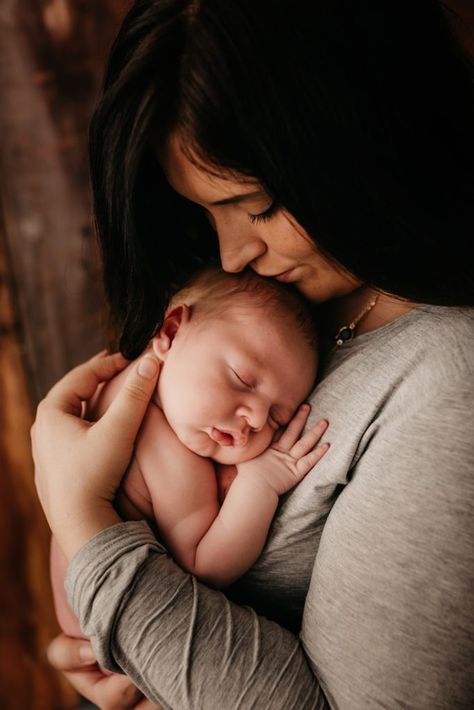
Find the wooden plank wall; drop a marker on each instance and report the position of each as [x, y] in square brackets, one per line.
[51, 303]
[51, 58]
[27, 620]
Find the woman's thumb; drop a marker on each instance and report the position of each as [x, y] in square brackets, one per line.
[126, 412]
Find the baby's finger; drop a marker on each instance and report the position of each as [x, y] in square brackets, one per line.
[292, 432]
[306, 463]
[309, 440]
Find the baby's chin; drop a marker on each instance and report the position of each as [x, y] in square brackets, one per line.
[237, 454]
[230, 455]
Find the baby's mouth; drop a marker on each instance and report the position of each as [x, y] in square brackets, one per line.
[225, 438]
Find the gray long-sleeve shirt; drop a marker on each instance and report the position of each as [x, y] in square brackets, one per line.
[371, 555]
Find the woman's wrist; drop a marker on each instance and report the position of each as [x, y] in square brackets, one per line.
[80, 528]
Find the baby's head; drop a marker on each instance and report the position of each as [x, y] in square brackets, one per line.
[239, 355]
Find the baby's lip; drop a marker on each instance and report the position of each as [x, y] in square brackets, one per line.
[228, 438]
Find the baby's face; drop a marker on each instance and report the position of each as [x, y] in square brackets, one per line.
[228, 383]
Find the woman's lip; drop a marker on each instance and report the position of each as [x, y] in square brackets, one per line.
[284, 276]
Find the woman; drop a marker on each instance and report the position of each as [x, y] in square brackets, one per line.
[328, 145]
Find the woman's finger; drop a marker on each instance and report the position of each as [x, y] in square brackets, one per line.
[146, 705]
[112, 692]
[76, 660]
[69, 654]
[80, 383]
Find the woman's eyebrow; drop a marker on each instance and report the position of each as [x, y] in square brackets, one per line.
[237, 198]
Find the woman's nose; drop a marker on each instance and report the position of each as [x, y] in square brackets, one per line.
[238, 250]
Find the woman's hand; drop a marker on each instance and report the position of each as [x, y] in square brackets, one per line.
[79, 464]
[75, 659]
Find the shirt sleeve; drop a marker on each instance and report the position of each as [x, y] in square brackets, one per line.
[184, 645]
[388, 620]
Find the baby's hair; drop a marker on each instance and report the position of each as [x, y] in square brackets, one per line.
[211, 290]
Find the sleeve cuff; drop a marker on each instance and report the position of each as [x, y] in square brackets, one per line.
[115, 555]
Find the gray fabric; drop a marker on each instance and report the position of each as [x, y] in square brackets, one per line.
[379, 536]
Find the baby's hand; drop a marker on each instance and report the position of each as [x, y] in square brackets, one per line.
[289, 458]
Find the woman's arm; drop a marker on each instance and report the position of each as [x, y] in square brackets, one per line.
[192, 648]
[389, 614]
[388, 619]
[77, 493]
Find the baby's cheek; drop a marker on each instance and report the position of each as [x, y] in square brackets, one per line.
[260, 441]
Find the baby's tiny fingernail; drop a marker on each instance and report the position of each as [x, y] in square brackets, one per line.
[86, 654]
[148, 367]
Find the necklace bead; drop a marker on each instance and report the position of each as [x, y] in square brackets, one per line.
[344, 334]
[347, 332]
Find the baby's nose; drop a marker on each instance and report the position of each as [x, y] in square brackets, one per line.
[257, 416]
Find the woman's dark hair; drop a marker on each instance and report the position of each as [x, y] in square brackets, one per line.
[357, 116]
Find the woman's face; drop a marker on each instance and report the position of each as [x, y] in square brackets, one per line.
[249, 233]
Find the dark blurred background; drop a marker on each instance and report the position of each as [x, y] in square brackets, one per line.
[52, 312]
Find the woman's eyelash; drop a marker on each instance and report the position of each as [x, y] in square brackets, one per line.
[265, 215]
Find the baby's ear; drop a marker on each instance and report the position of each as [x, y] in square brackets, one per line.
[174, 319]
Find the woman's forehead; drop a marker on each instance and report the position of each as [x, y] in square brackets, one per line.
[195, 182]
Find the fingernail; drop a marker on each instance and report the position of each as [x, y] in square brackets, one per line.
[148, 367]
[86, 654]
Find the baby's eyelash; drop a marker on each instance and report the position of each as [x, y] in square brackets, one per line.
[265, 215]
[241, 380]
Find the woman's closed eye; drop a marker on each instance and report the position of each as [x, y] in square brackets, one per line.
[265, 215]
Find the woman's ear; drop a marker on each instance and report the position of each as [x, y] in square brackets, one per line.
[174, 319]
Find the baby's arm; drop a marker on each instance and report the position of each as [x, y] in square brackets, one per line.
[237, 536]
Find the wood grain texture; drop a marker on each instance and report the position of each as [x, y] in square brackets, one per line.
[27, 620]
[51, 58]
[51, 302]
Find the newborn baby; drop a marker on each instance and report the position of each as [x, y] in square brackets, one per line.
[239, 355]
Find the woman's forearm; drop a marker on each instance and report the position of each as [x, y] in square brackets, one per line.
[184, 645]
